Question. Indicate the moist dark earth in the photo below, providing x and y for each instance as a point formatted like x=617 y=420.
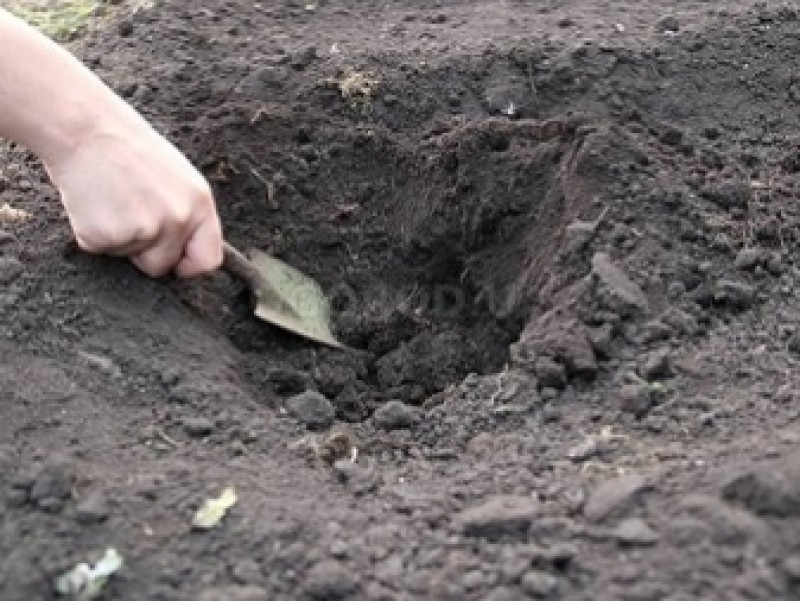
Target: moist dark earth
x=561 y=243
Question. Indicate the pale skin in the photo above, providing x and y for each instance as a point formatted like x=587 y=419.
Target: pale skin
x=127 y=190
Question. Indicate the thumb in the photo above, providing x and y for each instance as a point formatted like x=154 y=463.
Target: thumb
x=203 y=250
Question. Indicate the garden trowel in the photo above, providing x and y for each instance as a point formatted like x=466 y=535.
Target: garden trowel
x=284 y=296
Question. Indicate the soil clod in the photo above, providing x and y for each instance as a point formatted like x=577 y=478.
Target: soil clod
x=53 y=484
x=330 y=581
x=768 y=489
x=234 y=593
x=540 y=585
x=668 y=24
x=657 y=366
x=92 y=509
x=312 y=409
x=198 y=427
x=634 y=532
x=614 y=289
x=498 y=517
x=10 y=269
x=395 y=415
x=615 y=496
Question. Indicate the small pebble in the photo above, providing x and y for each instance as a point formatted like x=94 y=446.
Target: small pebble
x=655 y=330
x=549 y=373
x=10 y=269
x=475 y=579
x=125 y=28
x=636 y=399
x=736 y=295
x=304 y=58
x=614 y=496
x=538 y=584
x=791 y=565
x=634 y=531
x=360 y=480
x=676 y=289
x=312 y=409
x=329 y=580
x=578 y=235
x=198 y=427
x=497 y=517
x=93 y=509
x=53 y=484
x=339 y=549
x=794 y=343
x=585 y=450
x=234 y=593
x=748 y=258
x=729 y=194
x=658 y=366
x=672 y=136
x=601 y=339
x=774 y=264
x=247 y=571
x=395 y=415
x=668 y=24
x=16 y=498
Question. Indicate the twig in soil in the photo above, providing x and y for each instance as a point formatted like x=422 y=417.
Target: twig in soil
x=220 y=168
x=166 y=438
x=268 y=185
x=260 y=112
x=607 y=433
x=405 y=306
x=601 y=217
x=500 y=382
x=771 y=187
x=254 y=172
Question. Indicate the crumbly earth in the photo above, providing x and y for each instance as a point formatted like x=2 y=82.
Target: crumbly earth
x=561 y=242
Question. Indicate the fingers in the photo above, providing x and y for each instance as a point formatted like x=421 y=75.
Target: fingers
x=137 y=196
x=152 y=246
x=188 y=251
x=203 y=250
x=159 y=259
x=115 y=249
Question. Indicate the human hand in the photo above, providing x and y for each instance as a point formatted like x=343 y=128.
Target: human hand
x=129 y=192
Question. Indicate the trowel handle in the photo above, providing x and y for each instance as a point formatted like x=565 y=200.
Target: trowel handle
x=235 y=263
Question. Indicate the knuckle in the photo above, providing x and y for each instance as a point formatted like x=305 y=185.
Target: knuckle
x=98 y=242
x=147 y=230
x=151 y=265
x=188 y=270
x=190 y=209
x=180 y=215
x=203 y=196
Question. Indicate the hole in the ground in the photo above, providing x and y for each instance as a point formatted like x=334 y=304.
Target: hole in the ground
x=431 y=250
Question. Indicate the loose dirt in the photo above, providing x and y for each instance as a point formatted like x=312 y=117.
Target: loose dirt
x=560 y=240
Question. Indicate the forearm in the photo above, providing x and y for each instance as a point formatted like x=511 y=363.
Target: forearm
x=126 y=189
x=50 y=102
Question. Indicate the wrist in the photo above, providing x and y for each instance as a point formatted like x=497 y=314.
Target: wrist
x=81 y=119
x=49 y=101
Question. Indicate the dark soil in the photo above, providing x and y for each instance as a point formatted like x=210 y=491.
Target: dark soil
x=560 y=238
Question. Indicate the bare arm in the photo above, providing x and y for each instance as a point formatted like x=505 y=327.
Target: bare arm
x=126 y=189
